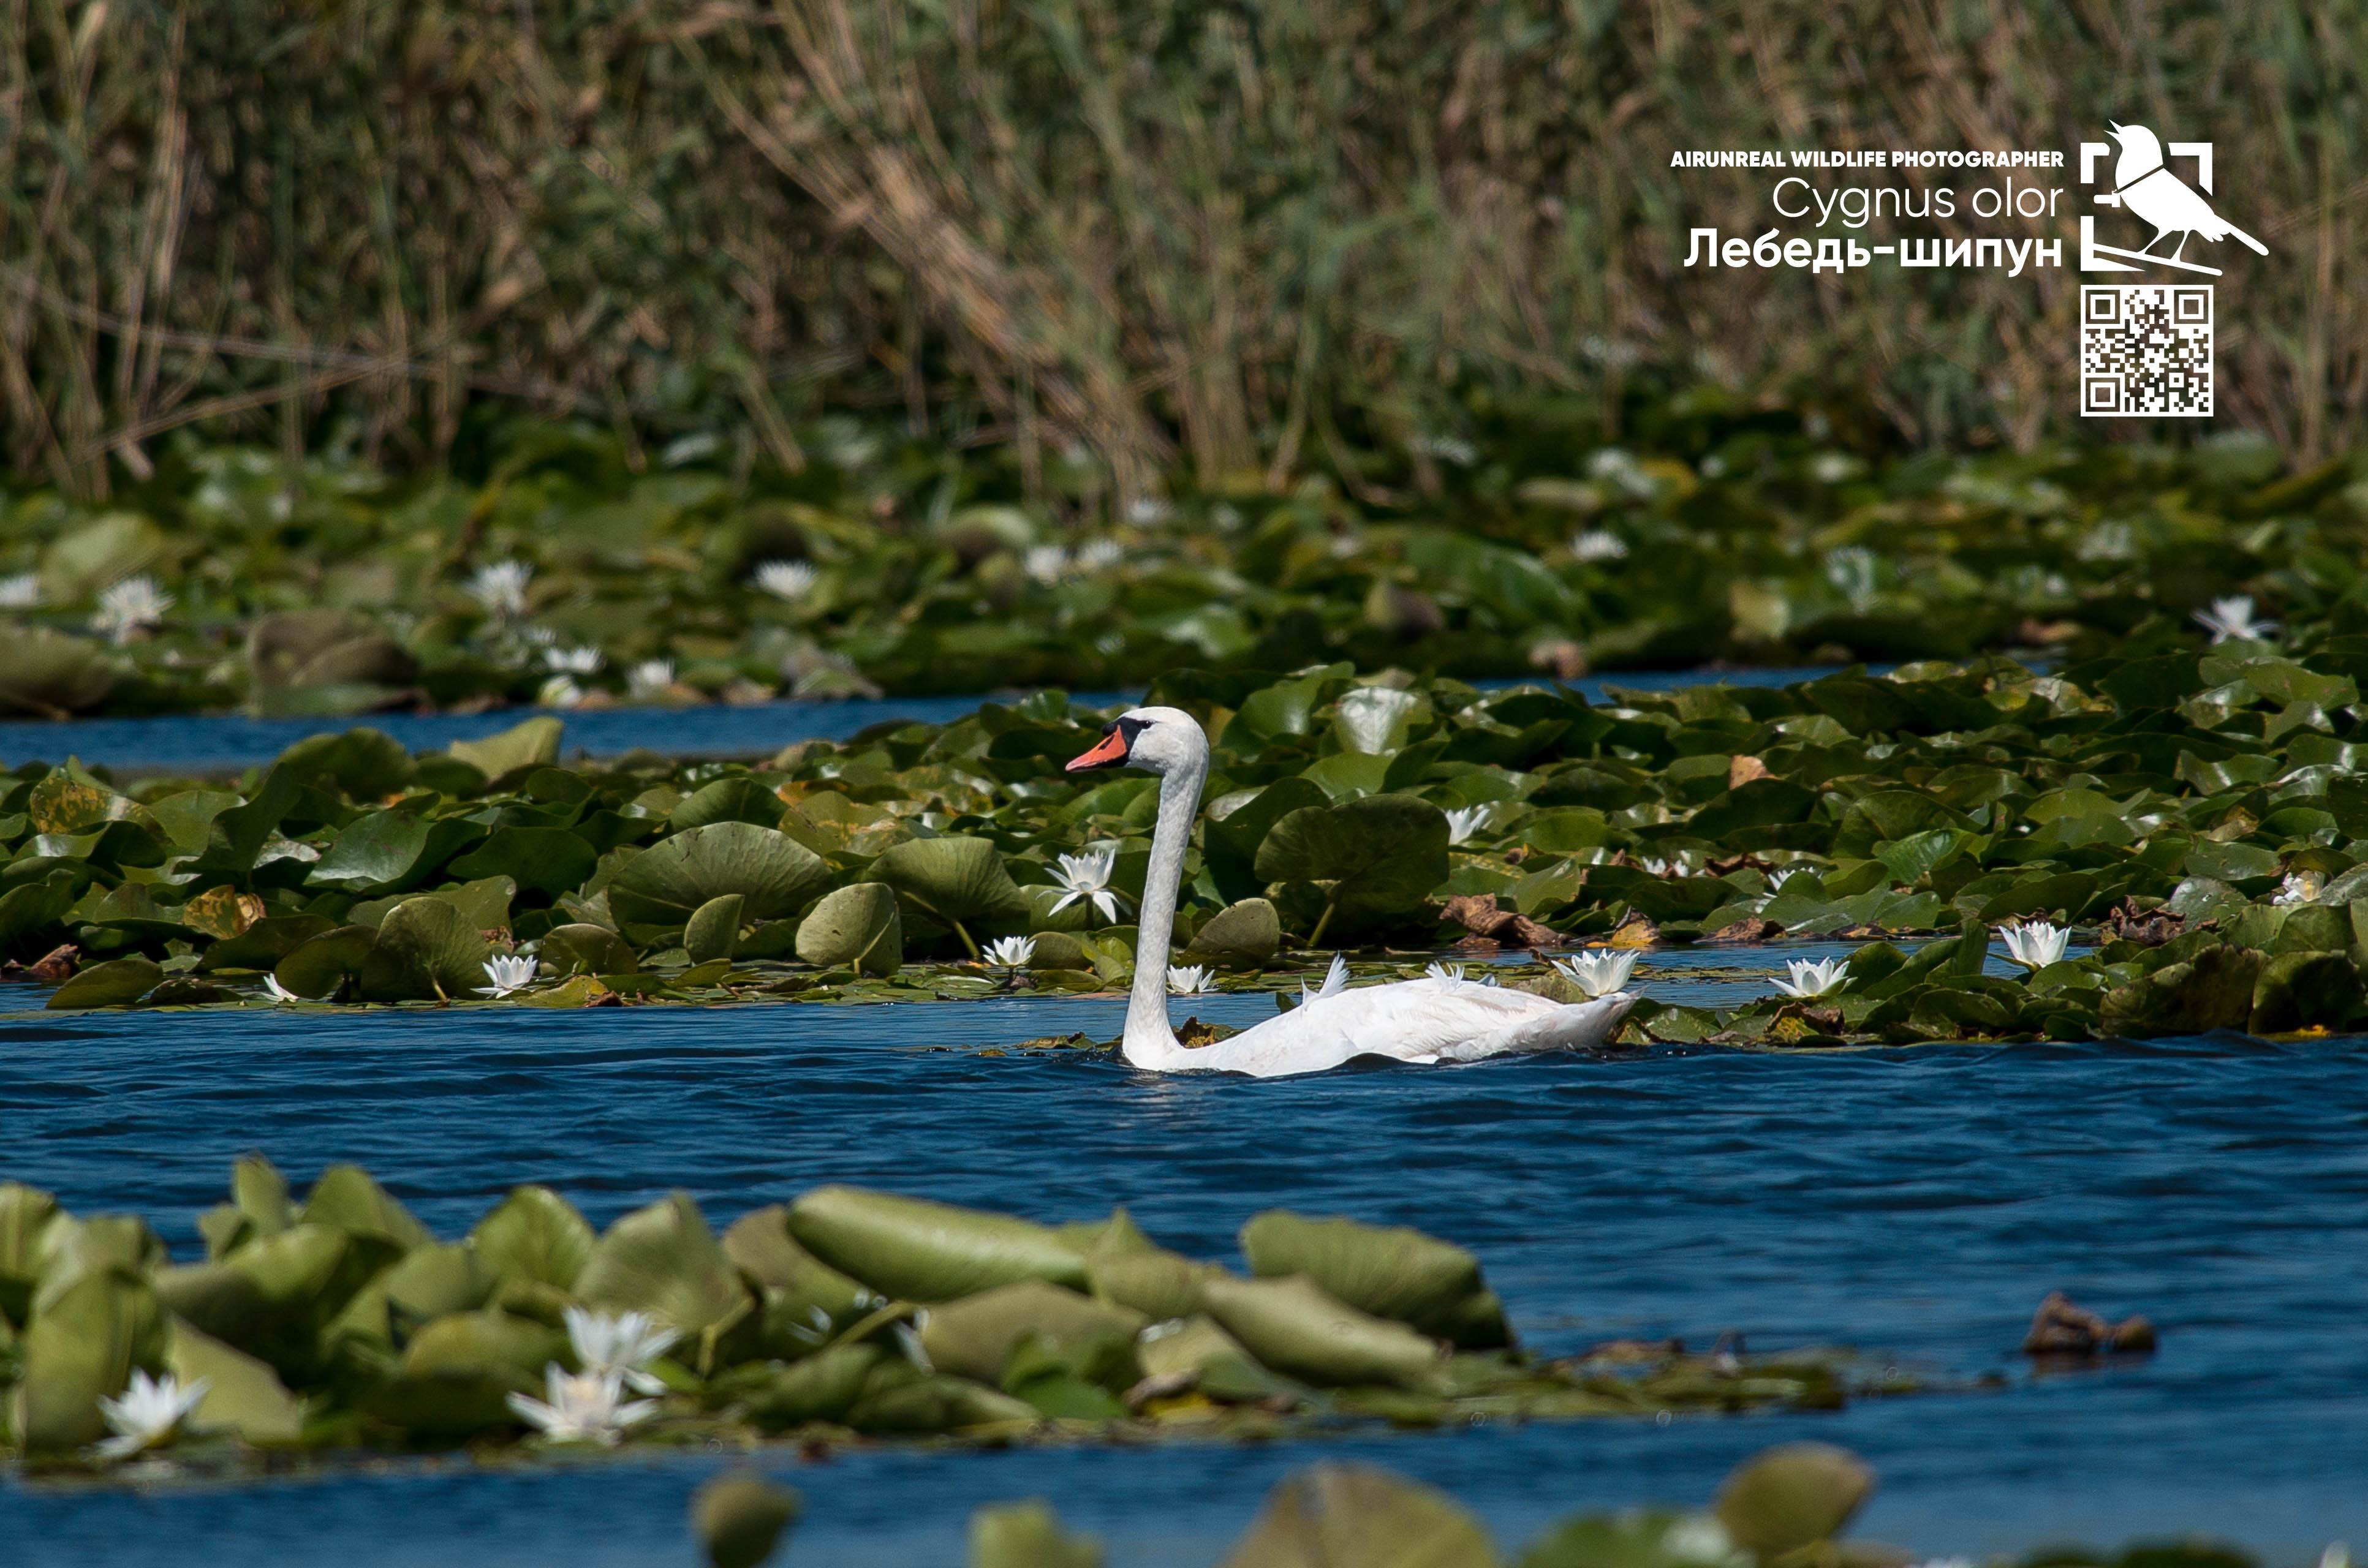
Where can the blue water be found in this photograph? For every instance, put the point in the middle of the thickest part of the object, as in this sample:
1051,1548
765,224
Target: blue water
203,744
1917,1203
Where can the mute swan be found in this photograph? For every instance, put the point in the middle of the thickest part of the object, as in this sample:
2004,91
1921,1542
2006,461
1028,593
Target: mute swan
1440,1018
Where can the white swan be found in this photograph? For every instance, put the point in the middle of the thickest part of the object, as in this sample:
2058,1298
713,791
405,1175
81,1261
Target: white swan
1440,1018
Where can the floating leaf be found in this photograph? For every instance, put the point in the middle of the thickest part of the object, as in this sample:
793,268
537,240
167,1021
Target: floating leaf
954,879
856,927
49,676
1792,1496
82,1347
739,1519
1382,853
529,744
547,859
662,885
1027,1534
535,1235
1395,1273
913,1250
1241,936
973,1337
587,950
243,1396
1293,1326
427,950
1332,1514
712,933
663,1260
118,982
318,966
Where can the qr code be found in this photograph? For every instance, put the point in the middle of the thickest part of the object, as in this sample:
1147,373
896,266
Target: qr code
2146,348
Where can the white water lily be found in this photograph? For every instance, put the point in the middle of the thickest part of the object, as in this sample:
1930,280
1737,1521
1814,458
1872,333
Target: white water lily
1445,973
1465,821
559,691
1048,564
1011,952
1782,874
276,992
508,973
1812,978
651,678
146,1414
22,591
572,661
500,588
1101,554
1110,644
786,580
2299,887
2035,944
1148,511
131,607
1851,569
2231,620
1087,877
1597,974
1189,980
1336,981
582,1407
1598,544
622,1344
2108,542
1370,713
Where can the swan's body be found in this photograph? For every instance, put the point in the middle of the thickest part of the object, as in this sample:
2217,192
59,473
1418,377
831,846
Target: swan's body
1430,1020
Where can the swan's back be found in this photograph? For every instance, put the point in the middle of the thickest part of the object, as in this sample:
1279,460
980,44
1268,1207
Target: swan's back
1426,1020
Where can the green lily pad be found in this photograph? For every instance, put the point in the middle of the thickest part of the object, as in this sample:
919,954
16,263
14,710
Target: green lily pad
532,743
663,1260
118,982
1381,855
319,966
664,884
857,928
81,1346
973,1337
1338,1514
712,933
427,950
913,1250
587,950
1399,1273
1792,1496
537,1235
1246,935
243,1394
1295,1327
739,1520
46,674
547,859
958,879
1027,1534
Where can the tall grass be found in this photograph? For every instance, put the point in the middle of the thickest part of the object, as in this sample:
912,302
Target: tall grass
1250,238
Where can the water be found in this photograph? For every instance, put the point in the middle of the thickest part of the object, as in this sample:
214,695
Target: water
202,744
1914,1202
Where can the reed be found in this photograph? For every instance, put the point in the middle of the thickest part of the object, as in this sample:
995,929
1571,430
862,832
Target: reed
1237,241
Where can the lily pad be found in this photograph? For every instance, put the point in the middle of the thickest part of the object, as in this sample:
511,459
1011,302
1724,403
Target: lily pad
536,1236
1246,935
740,1518
1380,855
857,928
960,881
1398,1273
712,933
532,743
913,1250
1792,1498
1293,1326
318,967
1336,1513
426,950
587,950
118,982
664,884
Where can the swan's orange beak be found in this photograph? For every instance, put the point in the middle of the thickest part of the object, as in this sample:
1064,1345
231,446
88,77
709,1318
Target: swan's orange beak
1108,752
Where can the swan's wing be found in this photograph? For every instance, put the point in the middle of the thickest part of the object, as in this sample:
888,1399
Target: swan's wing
1578,1026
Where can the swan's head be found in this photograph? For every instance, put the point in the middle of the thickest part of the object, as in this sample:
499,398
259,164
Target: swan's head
1158,739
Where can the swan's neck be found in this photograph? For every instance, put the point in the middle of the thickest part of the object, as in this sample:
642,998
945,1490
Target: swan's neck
1149,1042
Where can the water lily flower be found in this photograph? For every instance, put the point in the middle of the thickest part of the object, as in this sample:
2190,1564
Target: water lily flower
1101,554
622,1344
508,973
1598,544
1336,981
1465,821
501,589
1188,980
572,661
22,591
1011,952
1812,978
1851,569
146,1414
276,992
2108,542
1110,644
2035,944
2299,887
786,580
1087,877
1048,564
1446,974
1148,511
583,1408
1782,874
2231,620
1597,974
651,678
131,607
559,691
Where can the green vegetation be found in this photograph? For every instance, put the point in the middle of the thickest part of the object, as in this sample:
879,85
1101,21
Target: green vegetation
340,1323
559,572
2200,810
1308,238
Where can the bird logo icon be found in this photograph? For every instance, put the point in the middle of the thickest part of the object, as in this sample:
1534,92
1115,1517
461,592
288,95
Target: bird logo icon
2145,186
